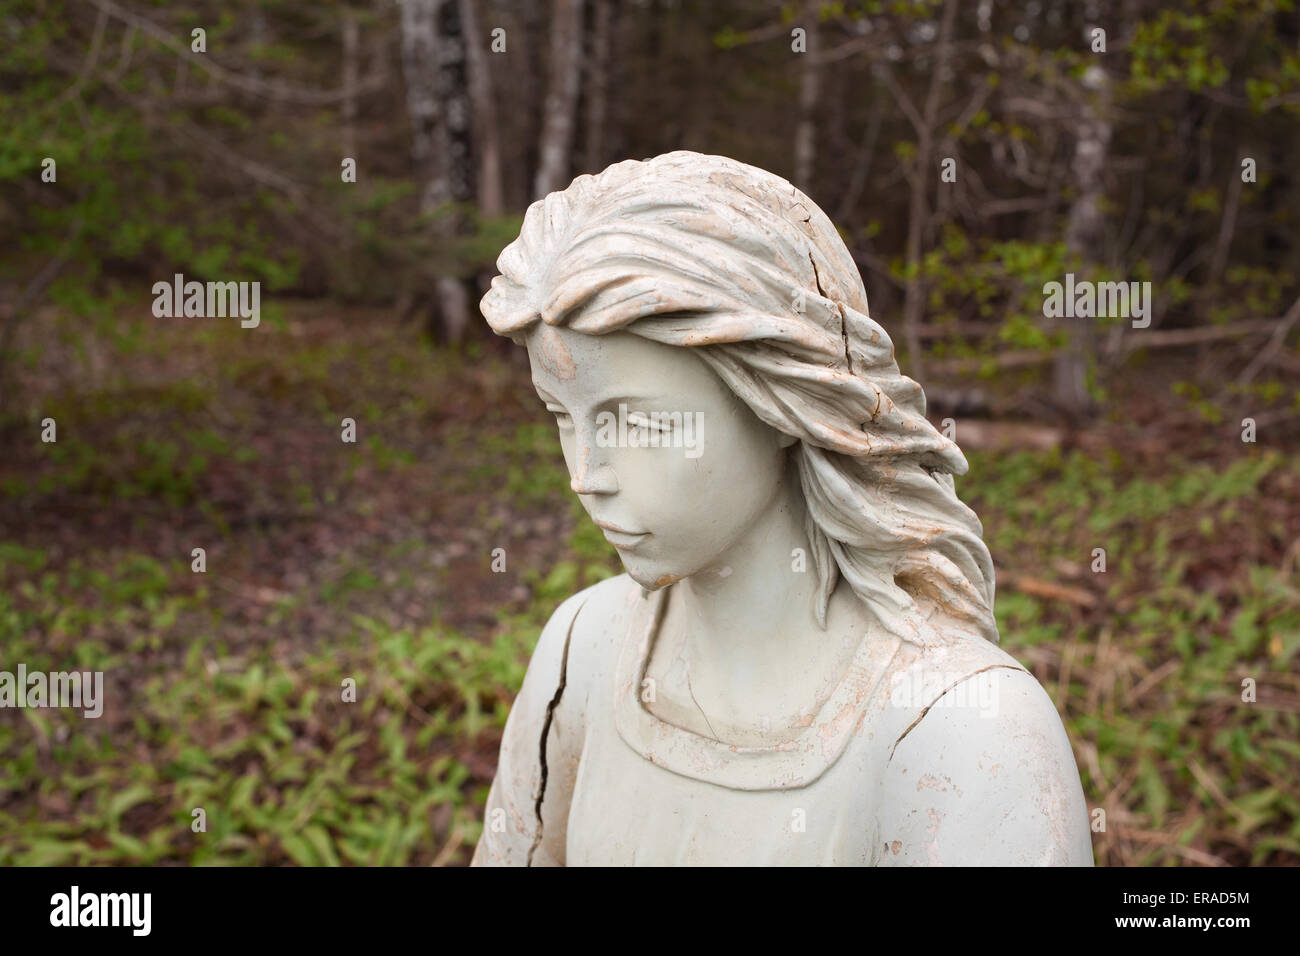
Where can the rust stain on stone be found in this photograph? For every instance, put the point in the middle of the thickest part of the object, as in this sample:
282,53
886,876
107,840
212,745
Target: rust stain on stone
555,356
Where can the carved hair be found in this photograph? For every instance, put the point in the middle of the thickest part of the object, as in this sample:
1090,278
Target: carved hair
711,254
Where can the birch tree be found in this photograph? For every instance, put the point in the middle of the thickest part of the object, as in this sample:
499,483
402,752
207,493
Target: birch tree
559,112
1084,233
437,102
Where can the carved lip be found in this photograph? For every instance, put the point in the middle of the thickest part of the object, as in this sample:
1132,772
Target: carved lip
620,538
625,542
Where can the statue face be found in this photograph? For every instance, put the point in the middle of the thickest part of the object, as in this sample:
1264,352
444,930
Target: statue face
665,459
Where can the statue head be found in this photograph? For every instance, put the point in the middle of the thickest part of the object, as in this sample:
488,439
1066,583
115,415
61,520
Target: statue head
709,308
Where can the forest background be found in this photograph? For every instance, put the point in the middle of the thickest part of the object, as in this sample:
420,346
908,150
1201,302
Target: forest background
365,162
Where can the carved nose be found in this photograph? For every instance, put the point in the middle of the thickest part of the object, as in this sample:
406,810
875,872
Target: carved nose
600,480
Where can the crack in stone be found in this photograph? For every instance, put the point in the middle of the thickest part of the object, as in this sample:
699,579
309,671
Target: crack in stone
844,329
940,697
546,732
707,722
844,333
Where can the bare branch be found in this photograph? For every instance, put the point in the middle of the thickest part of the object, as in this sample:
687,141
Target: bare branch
87,65
1165,338
1274,345
904,102
273,90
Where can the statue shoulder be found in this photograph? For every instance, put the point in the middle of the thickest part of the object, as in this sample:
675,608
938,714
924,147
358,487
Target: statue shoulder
550,707
982,750
587,629
919,677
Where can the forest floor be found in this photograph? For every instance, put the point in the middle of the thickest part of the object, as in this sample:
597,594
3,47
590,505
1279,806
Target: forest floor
373,561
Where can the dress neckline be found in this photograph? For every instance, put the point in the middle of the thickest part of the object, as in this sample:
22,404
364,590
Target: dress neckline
784,766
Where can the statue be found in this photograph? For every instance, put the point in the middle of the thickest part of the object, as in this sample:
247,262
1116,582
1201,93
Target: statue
800,665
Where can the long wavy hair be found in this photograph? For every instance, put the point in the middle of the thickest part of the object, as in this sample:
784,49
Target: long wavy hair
707,253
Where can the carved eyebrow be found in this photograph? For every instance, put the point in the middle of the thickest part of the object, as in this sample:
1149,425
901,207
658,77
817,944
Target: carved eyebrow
629,398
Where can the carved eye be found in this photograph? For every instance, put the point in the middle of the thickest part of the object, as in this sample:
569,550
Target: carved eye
639,420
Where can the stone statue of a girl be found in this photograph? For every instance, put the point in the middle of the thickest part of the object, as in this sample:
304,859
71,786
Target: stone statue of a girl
800,665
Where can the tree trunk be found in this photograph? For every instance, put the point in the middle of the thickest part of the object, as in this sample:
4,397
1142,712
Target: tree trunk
351,57
487,136
805,136
562,87
926,174
433,62
1083,237
597,88
420,54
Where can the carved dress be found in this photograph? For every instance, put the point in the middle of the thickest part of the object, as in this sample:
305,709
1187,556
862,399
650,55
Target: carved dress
945,755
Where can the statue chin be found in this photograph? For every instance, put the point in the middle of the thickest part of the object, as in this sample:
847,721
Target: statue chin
652,579
656,574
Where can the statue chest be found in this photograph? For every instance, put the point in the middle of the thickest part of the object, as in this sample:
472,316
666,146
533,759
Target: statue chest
628,810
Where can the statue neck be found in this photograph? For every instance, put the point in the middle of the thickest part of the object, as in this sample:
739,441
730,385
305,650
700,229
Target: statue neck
758,594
